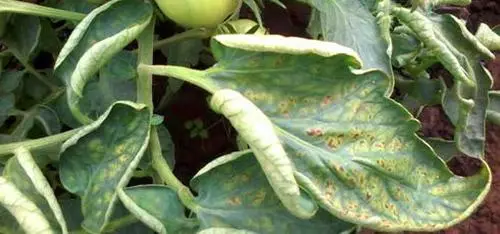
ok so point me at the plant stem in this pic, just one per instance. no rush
(7, 149)
(39, 76)
(145, 95)
(190, 34)
(37, 10)
(192, 76)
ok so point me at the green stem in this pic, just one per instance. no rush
(8, 149)
(21, 7)
(190, 34)
(39, 76)
(192, 76)
(145, 95)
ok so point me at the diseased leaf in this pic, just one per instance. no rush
(351, 145)
(448, 39)
(350, 23)
(158, 207)
(257, 130)
(233, 192)
(102, 34)
(23, 172)
(101, 158)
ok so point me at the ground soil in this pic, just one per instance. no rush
(190, 103)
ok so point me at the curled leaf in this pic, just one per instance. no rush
(257, 130)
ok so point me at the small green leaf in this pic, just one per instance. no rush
(158, 207)
(101, 158)
(233, 192)
(157, 120)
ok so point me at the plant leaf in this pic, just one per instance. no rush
(350, 144)
(101, 158)
(460, 53)
(233, 192)
(224, 231)
(23, 172)
(23, 36)
(494, 107)
(488, 37)
(102, 34)
(256, 129)
(158, 207)
(350, 23)
(30, 216)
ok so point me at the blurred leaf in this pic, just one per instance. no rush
(23, 36)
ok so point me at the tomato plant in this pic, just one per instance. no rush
(324, 145)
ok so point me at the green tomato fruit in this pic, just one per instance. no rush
(198, 13)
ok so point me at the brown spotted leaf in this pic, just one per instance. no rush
(100, 159)
(233, 192)
(352, 147)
